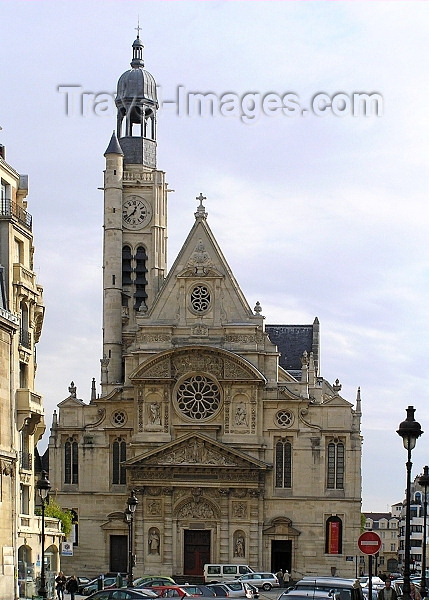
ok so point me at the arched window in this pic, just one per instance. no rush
(71, 461)
(119, 455)
(140, 294)
(283, 458)
(334, 535)
(335, 470)
(126, 265)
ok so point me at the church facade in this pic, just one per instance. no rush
(237, 448)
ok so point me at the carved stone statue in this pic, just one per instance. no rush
(155, 414)
(241, 414)
(239, 547)
(153, 541)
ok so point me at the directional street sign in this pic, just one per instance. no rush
(369, 542)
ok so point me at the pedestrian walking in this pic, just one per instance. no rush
(72, 586)
(414, 592)
(60, 581)
(387, 593)
(279, 576)
(286, 578)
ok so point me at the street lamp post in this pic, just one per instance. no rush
(409, 430)
(43, 487)
(129, 518)
(424, 482)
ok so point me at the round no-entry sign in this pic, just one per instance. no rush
(369, 542)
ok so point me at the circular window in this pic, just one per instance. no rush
(200, 298)
(119, 418)
(284, 418)
(198, 397)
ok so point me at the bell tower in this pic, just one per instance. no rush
(135, 217)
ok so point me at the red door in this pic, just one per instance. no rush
(196, 551)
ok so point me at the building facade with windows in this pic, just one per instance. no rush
(237, 447)
(418, 536)
(386, 525)
(21, 409)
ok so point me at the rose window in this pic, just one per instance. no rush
(200, 298)
(198, 397)
(284, 418)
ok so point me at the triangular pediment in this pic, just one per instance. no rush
(196, 451)
(337, 401)
(281, 526)
(71, 401)
(201, 262)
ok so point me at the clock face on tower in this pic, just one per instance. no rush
(136, 212)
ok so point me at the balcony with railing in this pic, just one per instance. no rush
(9, 209)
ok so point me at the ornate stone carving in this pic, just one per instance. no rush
(159, 370)
(196, 510)
(200, 330)
(154, 508)
(239, 510)
(192, 452)
(235, 371)
(200, 259)
(148, 338)
(196, 360)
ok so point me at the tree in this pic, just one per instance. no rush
(54, 510)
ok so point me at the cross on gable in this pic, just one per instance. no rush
(201, 198)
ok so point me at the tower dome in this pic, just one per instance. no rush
(137, 103)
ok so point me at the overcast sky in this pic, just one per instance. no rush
(318, 215)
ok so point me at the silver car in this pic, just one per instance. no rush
(266, 581)
(234, 589)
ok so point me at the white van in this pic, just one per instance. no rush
(224, 572)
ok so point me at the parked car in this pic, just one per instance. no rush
(240, 589)
(225, 590)
(342, 588)
(165, 578)
(377, 583)
(305, 594)
(198, 590)
(168, 591)
(221, 572)
(120, 594)
(83, 582)
(266, 581)
(155, 582)
(219, 589)
(93, 585)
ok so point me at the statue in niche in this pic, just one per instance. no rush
(155, 414)
(153, 541)
(241, 414)
(239, 547)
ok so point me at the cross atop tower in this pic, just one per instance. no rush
(138, 28)
(201, 211)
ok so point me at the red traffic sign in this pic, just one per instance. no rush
(369, 542)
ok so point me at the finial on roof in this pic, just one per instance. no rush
(137, 50)
(258, 308)
(337, 386)
(93, 390)
(72, 390)
(138, 28)
(358, 403)
(201, 211)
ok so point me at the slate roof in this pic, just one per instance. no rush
(292, 341)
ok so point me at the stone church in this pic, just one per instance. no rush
(238, 450)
